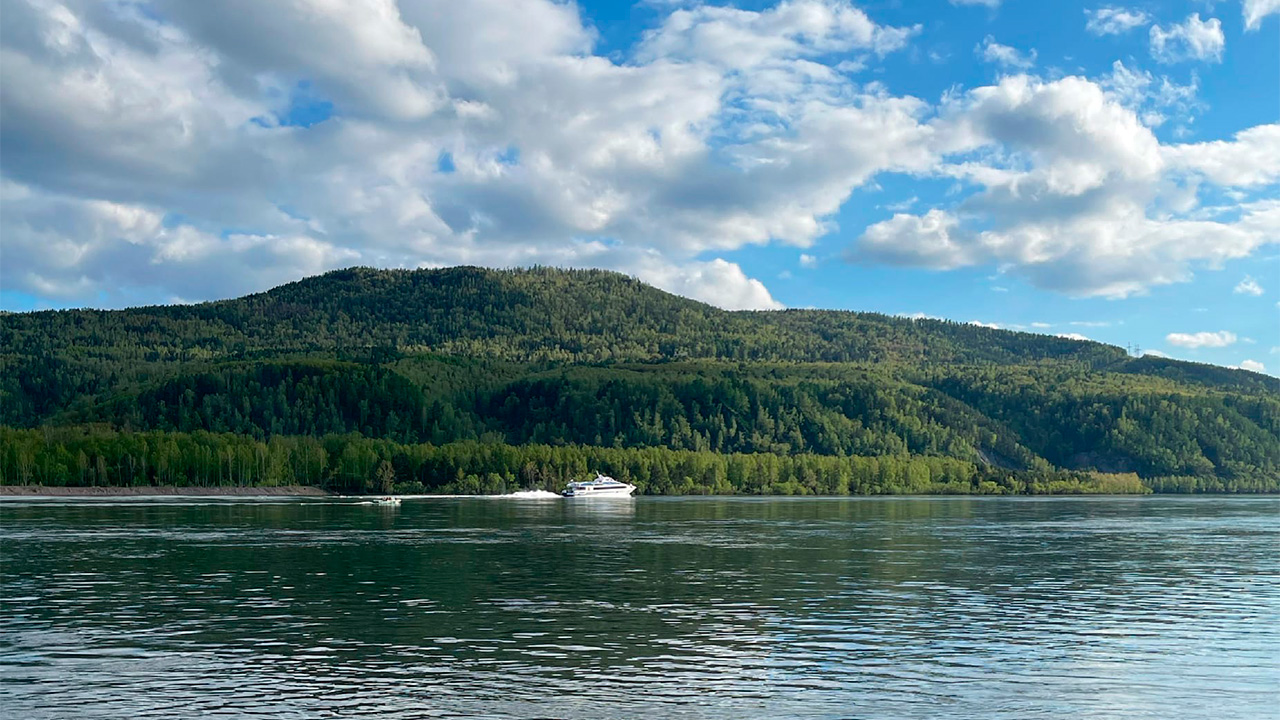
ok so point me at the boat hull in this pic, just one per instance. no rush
(609, 493)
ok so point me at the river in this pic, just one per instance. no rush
(1099, 607)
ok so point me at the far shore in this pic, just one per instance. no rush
(138, 491)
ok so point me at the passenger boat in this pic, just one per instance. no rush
(602, 486)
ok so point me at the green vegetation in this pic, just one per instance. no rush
(470, 379)
(88, 456)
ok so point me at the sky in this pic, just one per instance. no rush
(1102, 171)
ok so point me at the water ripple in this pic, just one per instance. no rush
(713, 608)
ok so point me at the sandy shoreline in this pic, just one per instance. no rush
(40, 490)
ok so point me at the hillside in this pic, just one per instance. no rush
(539, 314)
(592, 359)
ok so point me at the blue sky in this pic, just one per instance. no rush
(1103, 170)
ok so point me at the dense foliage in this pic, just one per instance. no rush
(593, 363)
(90, 456)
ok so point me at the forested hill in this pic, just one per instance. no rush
(538, 314)
(598, 361)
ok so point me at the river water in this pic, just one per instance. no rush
(1153, 607)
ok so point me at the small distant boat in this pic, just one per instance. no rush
(389, 501)
(602, 486)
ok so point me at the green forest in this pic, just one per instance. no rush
(468, 380)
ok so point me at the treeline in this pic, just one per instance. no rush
(92, 456)
(1120, 423)
(1015, 418)
(757, 408)
(308, 397)
(536, 315)
(596, 360)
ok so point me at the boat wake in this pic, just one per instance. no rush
(530, 495)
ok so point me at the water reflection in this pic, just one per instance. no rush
(600, 509)
(905, 607)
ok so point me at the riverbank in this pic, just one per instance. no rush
(136, 491)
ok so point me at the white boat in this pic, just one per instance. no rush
(602, 486)
(388, 501)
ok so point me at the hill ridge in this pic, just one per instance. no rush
(597, 358)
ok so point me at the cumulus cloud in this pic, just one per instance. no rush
(363, 54)
(200, 150)
(66, 248)
(1111, 20)
(1249, 286)
(1073, 336)
(746, 39)
(1255, 10)
(916, 240)
(485, 132)
(1074, 193)
(1252, 366)
(1218, 339)
(1251, 158)
(717, 282)
(1003, 55)
(1192, 39)
(808, 261)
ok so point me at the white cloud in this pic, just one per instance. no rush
(985, 3)
(1249, 286)
(1003, 55)
(1152, 100)
(64, 248)
(1219, 339)
(747, 39)
(1252, 366)
(1154, 353)
(1041, 325)
(1193, 39)
(1074, 194)
(1111, 20)
(139, 145)
(119, 246)
(1074, 336)
(723, 128)
(363, 54)
(1256, 10)
(923, 240)
(808, 261)
(1251, 158)
(902, 205)
(717, 282)
(979, 323)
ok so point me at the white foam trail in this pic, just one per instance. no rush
(530, 495)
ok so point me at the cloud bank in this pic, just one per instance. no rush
(1219, 339)
(177, 150)
(1075, 193)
